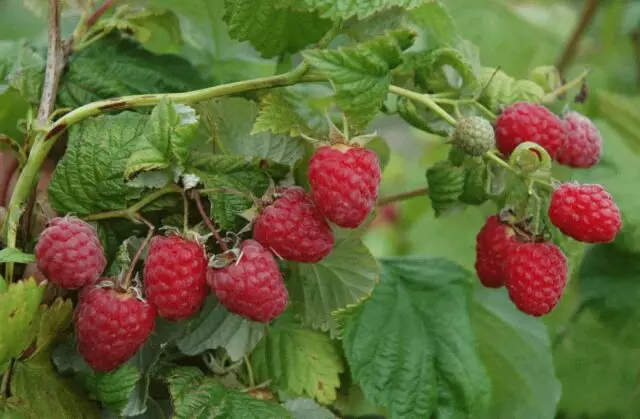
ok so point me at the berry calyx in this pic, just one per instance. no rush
(252, 285)
(535, 277)
(344, 182)
(69, 253)
(293, 227)
(111, 326)
(175, 276)
(586, 213)
(474, 135)
(583, 148)
(494, 242)
(524, 121)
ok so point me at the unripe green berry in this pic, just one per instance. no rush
(474, 135)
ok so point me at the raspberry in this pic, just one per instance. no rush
(344, 183)
(583, 148)
(586, 213)
(69, 253)
(523, 121)
(294, 228)
(111, 326)
(474, 135)
(175, 276)
(252, 286)
(494, 242)
(535, 276)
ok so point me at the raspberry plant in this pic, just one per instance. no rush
(189, 191)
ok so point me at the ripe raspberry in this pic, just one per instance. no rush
(523, 121)
(535, 276)
(584, 144)
(252, 286)
(175, 276)
(69, 253)
(344, 183)
(586, 213)
(111, 326)
(494, 242)
(474, 135)
(294, 228)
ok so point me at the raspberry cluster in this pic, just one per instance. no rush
(112, 323)
(508, 252)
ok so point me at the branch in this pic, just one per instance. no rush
(588, 11)
(99, 12)
(55, 64)
(386, 200)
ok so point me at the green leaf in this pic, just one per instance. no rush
(14, 408)
(209, 46)
(608, 286)
(298, 360)
(46, 394)
(516, 352)
(116, 67)
(19, 307)
(112, 389)
(307, 409)
(22, 69)
(11, 254)
(344, 9)
(279, 115)
(414, 332)
(235, 172)
(89, 178)
(195, 395)
(166, 137)
(361, 74)
(233, 126)
(271, 30)
(53, 321)
(439, 27)
(215, 328)
(344, 277)
(500, 89)
(13, 107)
(157, 30)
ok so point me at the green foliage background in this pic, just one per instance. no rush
(591, 373)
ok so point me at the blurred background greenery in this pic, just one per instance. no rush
(599, 368)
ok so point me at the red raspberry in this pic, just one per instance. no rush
(344, 183)
(524, 121)
(584, 144)
(493, 244)
(294, 228)
(111, 326)
(69, 253)
(252, 286)
(535, 276)
(175, 276)
(586, 213)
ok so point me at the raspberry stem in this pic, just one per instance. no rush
(132, 211)
(385, 200)
(247, 364)
(129, 276)
(551, 96)
(207, 221)
(425, 100)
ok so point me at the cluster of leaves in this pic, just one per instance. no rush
(406, 336)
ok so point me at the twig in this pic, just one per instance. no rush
(588, 11)
(55, 63)
(99, 12)
(386, 200)
(207, 221)
(129, 276)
